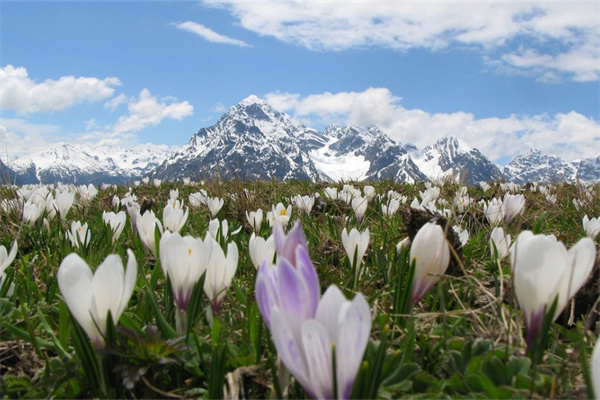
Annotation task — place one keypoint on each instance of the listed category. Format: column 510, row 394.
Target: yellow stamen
column 190, row 252
column 283, row 212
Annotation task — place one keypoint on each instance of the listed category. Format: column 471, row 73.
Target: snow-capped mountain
column 354, row 153
column 451, row 158
column 255, row 141
column 535, row 166
column 251, row 141
column 81, row 164
column 588, row 169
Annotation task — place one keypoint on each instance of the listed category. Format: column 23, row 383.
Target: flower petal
column 318, row 351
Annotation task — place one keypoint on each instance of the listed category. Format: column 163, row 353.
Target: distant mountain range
column 254, row 141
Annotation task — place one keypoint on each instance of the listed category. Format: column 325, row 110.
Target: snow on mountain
column 355, row 153
column 451, row 158
column 588, row 169
column 255, row 141
column 535, row 166
column 251, row 141
column 81, row 164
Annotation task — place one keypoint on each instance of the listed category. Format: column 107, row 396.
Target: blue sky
column 131, row 72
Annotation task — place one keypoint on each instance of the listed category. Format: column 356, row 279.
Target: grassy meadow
column 466, row 338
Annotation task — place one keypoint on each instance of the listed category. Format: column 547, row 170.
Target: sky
column 504, row 77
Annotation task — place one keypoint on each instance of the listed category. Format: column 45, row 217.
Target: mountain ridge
column 252, row 140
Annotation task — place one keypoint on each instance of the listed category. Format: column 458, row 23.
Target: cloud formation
column 570, row 136
column 23, row 95
column 209, row 35
column 547, row 39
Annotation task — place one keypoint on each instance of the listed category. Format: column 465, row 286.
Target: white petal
column 318, row 351
column 288, row 347
column 329, row 308
column 354, row 332
column 75, row 283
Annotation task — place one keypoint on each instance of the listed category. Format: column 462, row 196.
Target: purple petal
column 309, row 275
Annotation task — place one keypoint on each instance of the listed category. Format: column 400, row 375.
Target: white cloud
column 209, row 35
column 115, row 102
column 23, row 95
column 19, row 137
column 565, row 32
column 570, row 136
column 147, row 111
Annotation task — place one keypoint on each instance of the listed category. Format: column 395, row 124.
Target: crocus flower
column 500, row 243
column 280, row 214
column 87, row 194
column 255, row 219
column 32, row 212
column 146, row 226
column 493, row 211
column 116, row 222
column 331, row 193
column 391, row 208
column 304, row 203
column 91, row 296
column 513, row 205
column 430, row 251
column 369, row 192
column 6, row 258
column 306, row 347
column 355, row 243
column 214, row 205
column 543, row 269
column 198, row 199
column 291, row 284
column 596, row 369
column 174, row 218
column 463, row 235
column 220, row 270
column 261, row 250
column 591, row 226
column 183, row 260
column 79, row 234
column 359, row 205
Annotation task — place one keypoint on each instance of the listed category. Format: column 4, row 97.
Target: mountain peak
column 252, row 99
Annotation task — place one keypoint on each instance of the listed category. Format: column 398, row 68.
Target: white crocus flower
column 32, row 212
column 543, row 269
column 596, row 368
column 146, row 226
column 183, row 260
column 512, row 205
column 90, row 297
column 500, row 243
column 280, row 214
column 255, row 219
column 355, row 243
column 431, row 254
column 174, row 218
column 591, row 226
column 214, row 205
column 261, row 250
column 116, row 222
column 79, row 234
column 463, row 235
column 493, row 211
column 304, row 203
column 359, row 205
column 220, row 270
column 6, row 258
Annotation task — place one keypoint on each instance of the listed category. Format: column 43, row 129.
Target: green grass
column 464, row 340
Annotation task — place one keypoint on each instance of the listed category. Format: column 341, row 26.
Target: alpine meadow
column 268, row 289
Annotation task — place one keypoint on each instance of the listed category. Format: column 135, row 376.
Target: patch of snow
column 340, row 168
